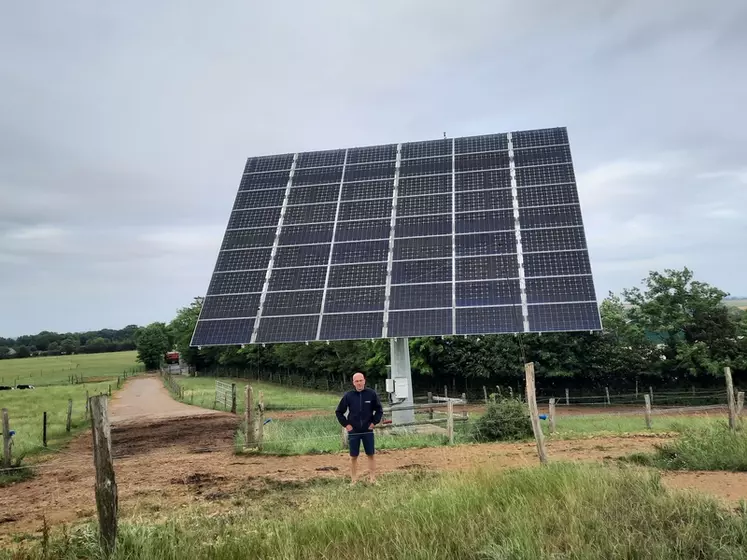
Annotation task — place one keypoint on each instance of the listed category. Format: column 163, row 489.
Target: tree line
column 48, row 343
column 673, row 331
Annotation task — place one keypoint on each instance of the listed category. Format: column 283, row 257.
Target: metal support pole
column 402, row 376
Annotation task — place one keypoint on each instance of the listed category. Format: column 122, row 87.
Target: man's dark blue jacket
column 364, row 409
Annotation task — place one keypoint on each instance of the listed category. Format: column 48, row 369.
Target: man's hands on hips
column 371, row 427
column 349, row 428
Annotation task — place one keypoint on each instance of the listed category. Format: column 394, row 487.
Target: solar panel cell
column 541, row 137
column 254, row 181
column 370, row 171
column 427, row 166
column 564, row 317
column 422, row 248
column 368, row 189
column 269, row 163
column 318, row 176
column 493, row 220
column 208, row 333
column 426, row 322
column 418, row 296
column 547, row 196
column 487, row 268
column 370, row 274
column 351, row 326
column 239, row 306
column 301, row 235
column 434, row 184
column 484, row 200
column 429, row 148
column 560, row 239
column 481, row 180
column 486, row 243
column 370, row 154
column 302, row 255
column 484, row 320
column 365, row 251
column 545, row 175
column 542, row 156
column 310, row 213
column 259, row 199
column 421, row 205
column 422, row 226
column 366, row 209
column 314, row 194
column 237, row 282
column 494, row 292
column 557, row 264
column 299, row 328
column 246, row 238
column 487, row 160
column 485, row 143
column 292, row 303
column 559, row 289
column 358, row 231
column 411, row 272
column 310, row 278
column 254, row 218
column 320, row 159
column 245, row 259
column 550, row 216
column 355, row 299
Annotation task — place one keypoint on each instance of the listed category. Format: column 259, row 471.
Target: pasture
column 56, row 370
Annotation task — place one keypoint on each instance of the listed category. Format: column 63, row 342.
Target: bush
column 713, row 448
column 505, row 420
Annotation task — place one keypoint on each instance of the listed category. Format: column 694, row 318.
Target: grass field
column 200, row 391
column 56, row 370
column 26, row 411
column 560, row 511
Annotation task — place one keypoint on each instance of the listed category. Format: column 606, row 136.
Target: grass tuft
column 559, row 511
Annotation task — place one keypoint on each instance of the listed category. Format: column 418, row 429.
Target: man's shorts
column 354, row 441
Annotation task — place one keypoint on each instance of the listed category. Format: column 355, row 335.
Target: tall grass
column 707, row 448
column 200, row 391
column 26, row 412
column 561, row 511
column 55, row 370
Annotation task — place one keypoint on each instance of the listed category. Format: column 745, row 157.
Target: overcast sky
column 124, row 128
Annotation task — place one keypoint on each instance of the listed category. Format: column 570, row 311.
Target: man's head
column 359, row 381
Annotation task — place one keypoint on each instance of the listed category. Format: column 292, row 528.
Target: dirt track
column 170, row 453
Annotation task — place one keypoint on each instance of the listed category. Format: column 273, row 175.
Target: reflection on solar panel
column 470, row 235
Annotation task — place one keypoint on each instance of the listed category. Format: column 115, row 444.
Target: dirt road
column 168, row 454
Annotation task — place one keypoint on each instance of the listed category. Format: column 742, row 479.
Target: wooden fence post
column 510, row 392
column 485, row 393
column 464, row 406
column 44, row 429
column 233, row 398
column 69, row 423
column 647, row 400
column 261, row 420
column 651, row 394
column 552, row 415
column 450, row 421
column 607, row 392
column 534, row 413
column 740, row 403
column 430, row 410
column 88, row 406
column 730, row 399
column 106, row 486
column 6, row 440
column 446, row 392
column 567, row 397
column 248, row 423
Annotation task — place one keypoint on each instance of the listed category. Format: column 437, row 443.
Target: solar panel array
column 469, row 235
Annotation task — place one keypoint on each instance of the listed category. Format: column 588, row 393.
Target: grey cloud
column 124, row 128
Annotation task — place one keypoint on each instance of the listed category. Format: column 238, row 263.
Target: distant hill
column 741, row 302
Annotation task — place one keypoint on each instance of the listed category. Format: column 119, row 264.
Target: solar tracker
column 455, row 236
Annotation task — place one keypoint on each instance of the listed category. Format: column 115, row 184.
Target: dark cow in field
column 5, row 388
column 24, row 386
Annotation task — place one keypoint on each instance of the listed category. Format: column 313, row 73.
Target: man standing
column 364, row 412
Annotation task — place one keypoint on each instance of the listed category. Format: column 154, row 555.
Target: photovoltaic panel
column 470, row 235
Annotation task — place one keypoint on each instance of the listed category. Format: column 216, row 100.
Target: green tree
column 152, row 343
column 23, row 352
column 69, row 345
column 53, row 348
column 182, row 327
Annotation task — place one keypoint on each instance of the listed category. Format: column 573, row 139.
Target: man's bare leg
column 353, row 470
column 371, row 468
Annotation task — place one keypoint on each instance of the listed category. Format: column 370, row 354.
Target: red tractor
column 172, row 357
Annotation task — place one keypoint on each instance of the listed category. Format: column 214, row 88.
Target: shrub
column 504, row 420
